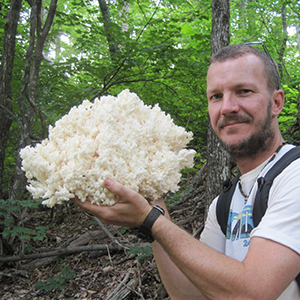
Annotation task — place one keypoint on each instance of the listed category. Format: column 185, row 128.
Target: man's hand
column 131, row 210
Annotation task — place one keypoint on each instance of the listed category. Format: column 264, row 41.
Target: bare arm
column 176, row 283
column 265, row 273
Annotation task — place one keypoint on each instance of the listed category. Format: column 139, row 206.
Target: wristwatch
column 144, row 231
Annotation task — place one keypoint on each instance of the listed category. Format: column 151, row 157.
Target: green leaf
column 143, row 252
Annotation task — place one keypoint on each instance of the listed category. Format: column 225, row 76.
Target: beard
column 257, row 143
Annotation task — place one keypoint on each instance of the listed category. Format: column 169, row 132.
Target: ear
column 278, row 102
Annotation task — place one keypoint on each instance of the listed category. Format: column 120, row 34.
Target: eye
column 244, row 91
column 216, row 97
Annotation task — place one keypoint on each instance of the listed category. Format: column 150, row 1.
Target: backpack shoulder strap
column 298, row 280
column 224, row 200
column 265, row 183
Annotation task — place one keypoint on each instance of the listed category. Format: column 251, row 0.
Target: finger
column 120, row 190
column 75, row 200
column 135, row 206
column 78, row 202
column 87, row 206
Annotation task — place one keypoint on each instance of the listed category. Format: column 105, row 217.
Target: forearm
column 178, row 286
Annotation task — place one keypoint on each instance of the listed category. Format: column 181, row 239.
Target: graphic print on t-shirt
column 240, row 225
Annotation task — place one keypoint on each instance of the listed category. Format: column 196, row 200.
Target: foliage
column 289, row 112
column 141, row 252
column 58, row 281
column 8, row 210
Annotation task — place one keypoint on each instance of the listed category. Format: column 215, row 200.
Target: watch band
column 144, row 231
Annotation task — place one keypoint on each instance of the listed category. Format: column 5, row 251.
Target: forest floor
column 123, row 269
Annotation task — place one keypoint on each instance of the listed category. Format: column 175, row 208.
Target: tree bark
column 28, row 94
column 10, row 31
column 285, row 39
column 298, row 36
column 296, row 126
column 112, row 45
column 218, row 163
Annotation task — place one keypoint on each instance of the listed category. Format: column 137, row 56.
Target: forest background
column 55, row 54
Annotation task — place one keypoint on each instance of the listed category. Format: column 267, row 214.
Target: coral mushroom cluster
column 114, row 137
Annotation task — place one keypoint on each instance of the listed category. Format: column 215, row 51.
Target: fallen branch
column 108, row 233
column 61, row 252
column 75, row 241
column 85, row 239
column 124, row 288
column 67, row 251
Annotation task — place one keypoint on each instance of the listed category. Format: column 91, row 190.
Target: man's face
column 240, row 105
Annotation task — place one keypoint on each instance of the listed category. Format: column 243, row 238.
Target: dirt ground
column 123, row 269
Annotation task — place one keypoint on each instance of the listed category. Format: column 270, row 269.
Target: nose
column 230, row 105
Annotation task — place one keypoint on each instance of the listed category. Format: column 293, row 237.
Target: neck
column 246, row 164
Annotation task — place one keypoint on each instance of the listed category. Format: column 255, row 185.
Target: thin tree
column 296, row 125
column 10, row 31
column 39, row 30
column 218, row 163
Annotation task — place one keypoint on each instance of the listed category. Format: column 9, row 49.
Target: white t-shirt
column 281, row 222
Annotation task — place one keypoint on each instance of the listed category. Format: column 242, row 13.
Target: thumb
column 109, row 182
column 134, row 202
column 120, row 190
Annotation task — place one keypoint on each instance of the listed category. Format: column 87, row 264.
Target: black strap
column 265, row 183
column 144, row 231
column 298, row 280
column 223, row 204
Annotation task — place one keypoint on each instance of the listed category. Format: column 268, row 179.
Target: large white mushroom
column 114, row 137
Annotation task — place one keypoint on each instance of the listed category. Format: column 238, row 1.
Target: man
column 244, row 101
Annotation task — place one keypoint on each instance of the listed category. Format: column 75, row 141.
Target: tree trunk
column 112, row 45
column 242, row 16
column 296, row 125
column 28, row 94
column 8, row 51
column 218, row 164
column 285, row 39
column 298, row 36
